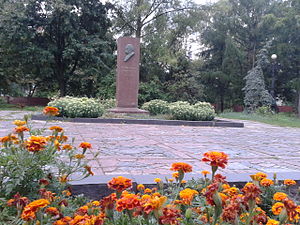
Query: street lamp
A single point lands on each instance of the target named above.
(273, 57)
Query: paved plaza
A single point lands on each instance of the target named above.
(151, 149)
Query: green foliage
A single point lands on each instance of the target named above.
(150, 90)
(78, 107)
(201, 111)
(108, 103)
(264, 110)
(156, 106)
(21, 167)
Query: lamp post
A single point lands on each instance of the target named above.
(273, 57)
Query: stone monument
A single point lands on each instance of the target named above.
(128, 60)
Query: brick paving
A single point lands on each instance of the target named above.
(151, 149)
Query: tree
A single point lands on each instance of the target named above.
(255, 93)
(63, 41)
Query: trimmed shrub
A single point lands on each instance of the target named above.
(78, 107)
(201, 111)
(108, 103)
(156, 106)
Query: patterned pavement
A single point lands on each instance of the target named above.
(151, 149)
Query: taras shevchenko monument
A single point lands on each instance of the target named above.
(128, 61)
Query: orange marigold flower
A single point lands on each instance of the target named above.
(51, 111)
(128, 201)
(85, 145)
(231, 191)
(119, 183)
(147, 190)
(9, 138)
(205, 172)
(289, 182)
(277, 208)
(170, 215)
(170, 180)
(183, 181)
(18, 201)
(63, 179)
(157, 180)
(141, 187)
(89, 170)
(19, 123)
(82, 210)
(187, 195)
(21, 129)
(66, 192)
(266, 182)
(36, 143)
(47, 194)
(230, 212)
(67, 147)
(184, 167)
(251, 191)
(272, 222)
(56, 128)
(108, 201)
(52, 211)
(279, 196)
(219, 159)
(258, 176)
(30, 209)
(63, 221)
(79, 156)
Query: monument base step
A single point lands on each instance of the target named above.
(128, 110)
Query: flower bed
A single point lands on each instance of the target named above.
(209, 200)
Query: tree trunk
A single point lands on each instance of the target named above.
(139, 23)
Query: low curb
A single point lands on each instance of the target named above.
(215, 123)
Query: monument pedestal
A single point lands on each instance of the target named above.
(128, 60)
(128, 110)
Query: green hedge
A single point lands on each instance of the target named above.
(78, 107)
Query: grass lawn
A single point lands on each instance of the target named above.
(12, 107)
(280, 119)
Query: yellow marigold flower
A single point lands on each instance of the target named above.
(19, 123)
(96, 203)
(225, 186)
(180, 166)
(272, 222)
(187, 195)
(157, 202)
(277, 208)
(79, 156)
(21, 129)
(140, 187)
(171, 180)
(279, 196)
(258, 176)
(63, 179)
(85, 145)
(157, 180)
(231, 191)
(56, 128)
(175, 175)
(205, 173)
(36, 143)
(289, 182)
(67, 147)
(266, 182)
(147, 190)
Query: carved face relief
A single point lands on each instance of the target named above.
(129, 51)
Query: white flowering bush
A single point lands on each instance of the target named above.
(156, 106)
(201, 111)
(108, 103)
(78, 107)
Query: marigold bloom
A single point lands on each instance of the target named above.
(147, 190)
(51, 111)
(205, 173)
(128, 201)
(67, 147)
(157, 180)
(79, 156)
(82, 210)
(66, 192)
(258, 176)
(141, 187)
(251, 191)
(187, 195)
(272, 222)
(277, 208)
(47, 194)
(170, 215)
(279, 196)
(184, 167)
(289, 182)
(266, 182)
(170, 180)
(63, 179)
(231, 191)
(210, 191)
(36, 143)
(175, 175)
(150, 203)
(85, 145)
(19, 123)
(44, 182)
(30, 209)
(108, 201)
(52, 211)
(183, 182)
(218, 159)
(89, 170)
(63, 221)
(56, 128)
(230, 212)
(119, 183)
(21, 129)
(18, 201)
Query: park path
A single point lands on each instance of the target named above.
(151, 149)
